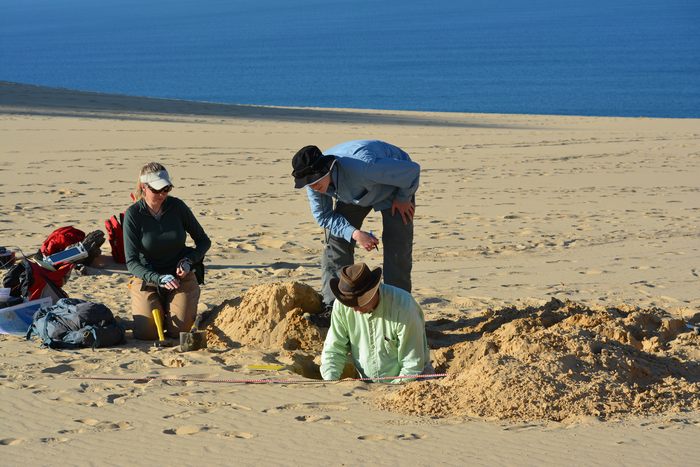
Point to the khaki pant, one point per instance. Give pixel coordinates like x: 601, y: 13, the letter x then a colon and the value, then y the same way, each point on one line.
x: 181, y: 305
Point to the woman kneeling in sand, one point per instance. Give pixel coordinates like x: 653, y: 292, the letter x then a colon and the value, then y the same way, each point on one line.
x: 155, y: 232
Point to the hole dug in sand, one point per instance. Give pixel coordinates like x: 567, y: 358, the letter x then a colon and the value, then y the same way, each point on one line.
x: 558, y: 362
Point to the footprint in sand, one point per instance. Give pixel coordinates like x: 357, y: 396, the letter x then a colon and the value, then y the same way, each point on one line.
x: 18, y: 441
x: 235, y: 434
x: 94, y: 387
x: 48, y: 391
x: 66, y: 192
x: 60, y: 369
x: 76, y: 431
x: 54, y: 440
x: 521, y: 427
x: 403, y: 437
x: 216, y: 391
x: 105, y: 426
x: 324, y: 419
x: 312, y: 406
x: 120, y: 398
x: 189, y: 413
x: 312, y: 418
x: 14, y: 441
x: 182, y: 402
x: 136, y: 367
x: 189, y: 430
x: 36, y: 386
x: 70, y: 400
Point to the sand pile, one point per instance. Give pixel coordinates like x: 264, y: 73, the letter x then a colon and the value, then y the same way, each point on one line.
x: 559, y: 362
x: 268, y: 316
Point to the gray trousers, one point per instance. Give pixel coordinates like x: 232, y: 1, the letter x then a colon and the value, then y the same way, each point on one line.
x: 396, y: 245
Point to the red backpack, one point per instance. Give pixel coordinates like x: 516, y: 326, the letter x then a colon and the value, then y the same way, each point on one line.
x: 115, y: 235
x: 60, y: 239
x: 28, y: 280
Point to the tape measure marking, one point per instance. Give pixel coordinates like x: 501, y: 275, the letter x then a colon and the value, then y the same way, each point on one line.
x: 268, y: 381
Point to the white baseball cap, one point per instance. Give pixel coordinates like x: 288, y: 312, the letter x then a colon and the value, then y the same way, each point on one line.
x: 157, y: 180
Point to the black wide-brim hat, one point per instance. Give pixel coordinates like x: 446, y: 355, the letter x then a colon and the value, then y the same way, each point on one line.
x: 357, y: 285
x: 309, y: 166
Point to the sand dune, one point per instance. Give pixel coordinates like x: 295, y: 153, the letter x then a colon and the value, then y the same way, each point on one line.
x: 513, y: 211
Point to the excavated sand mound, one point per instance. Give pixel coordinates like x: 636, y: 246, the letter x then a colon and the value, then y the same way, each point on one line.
x: 558, y: 362
x: 268, y: 316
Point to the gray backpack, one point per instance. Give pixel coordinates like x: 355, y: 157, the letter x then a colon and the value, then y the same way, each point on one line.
x: 73, y: 323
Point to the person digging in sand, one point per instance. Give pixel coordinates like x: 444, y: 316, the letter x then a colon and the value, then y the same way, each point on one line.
x: 382, y: 326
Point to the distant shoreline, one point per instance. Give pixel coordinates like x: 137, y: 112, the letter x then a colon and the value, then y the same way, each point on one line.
x: 11, y: 95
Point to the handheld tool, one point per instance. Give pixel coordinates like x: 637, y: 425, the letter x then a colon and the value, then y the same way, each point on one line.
x: 195, y: 339
x: 158, y: 318
x: 195, y: 326
x: 376, y: 246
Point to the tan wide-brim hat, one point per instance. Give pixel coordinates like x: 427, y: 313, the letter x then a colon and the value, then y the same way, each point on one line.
x: 357, y: 285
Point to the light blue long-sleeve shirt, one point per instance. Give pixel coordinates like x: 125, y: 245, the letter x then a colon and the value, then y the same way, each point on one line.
x: 366, y: 173
x: 390, y: 341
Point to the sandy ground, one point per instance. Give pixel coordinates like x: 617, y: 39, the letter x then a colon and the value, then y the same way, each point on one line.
x: 513, y: 211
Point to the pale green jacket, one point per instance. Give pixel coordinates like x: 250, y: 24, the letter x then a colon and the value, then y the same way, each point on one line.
x: 390, y: 341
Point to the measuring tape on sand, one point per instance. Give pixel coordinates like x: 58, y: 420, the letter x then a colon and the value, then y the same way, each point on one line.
x: 257, y: 381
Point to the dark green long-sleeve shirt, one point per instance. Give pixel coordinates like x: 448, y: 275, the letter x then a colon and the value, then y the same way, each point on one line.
x: 154, y: 247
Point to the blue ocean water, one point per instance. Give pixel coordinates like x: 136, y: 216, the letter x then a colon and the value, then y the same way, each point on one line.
x: 562, y: 57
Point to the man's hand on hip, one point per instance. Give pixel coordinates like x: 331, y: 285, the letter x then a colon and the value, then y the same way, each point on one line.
x: 407, y: 210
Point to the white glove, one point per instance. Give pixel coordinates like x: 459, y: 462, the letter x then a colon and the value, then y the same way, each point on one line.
x: 167, y: 278
x: 185, y: 265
